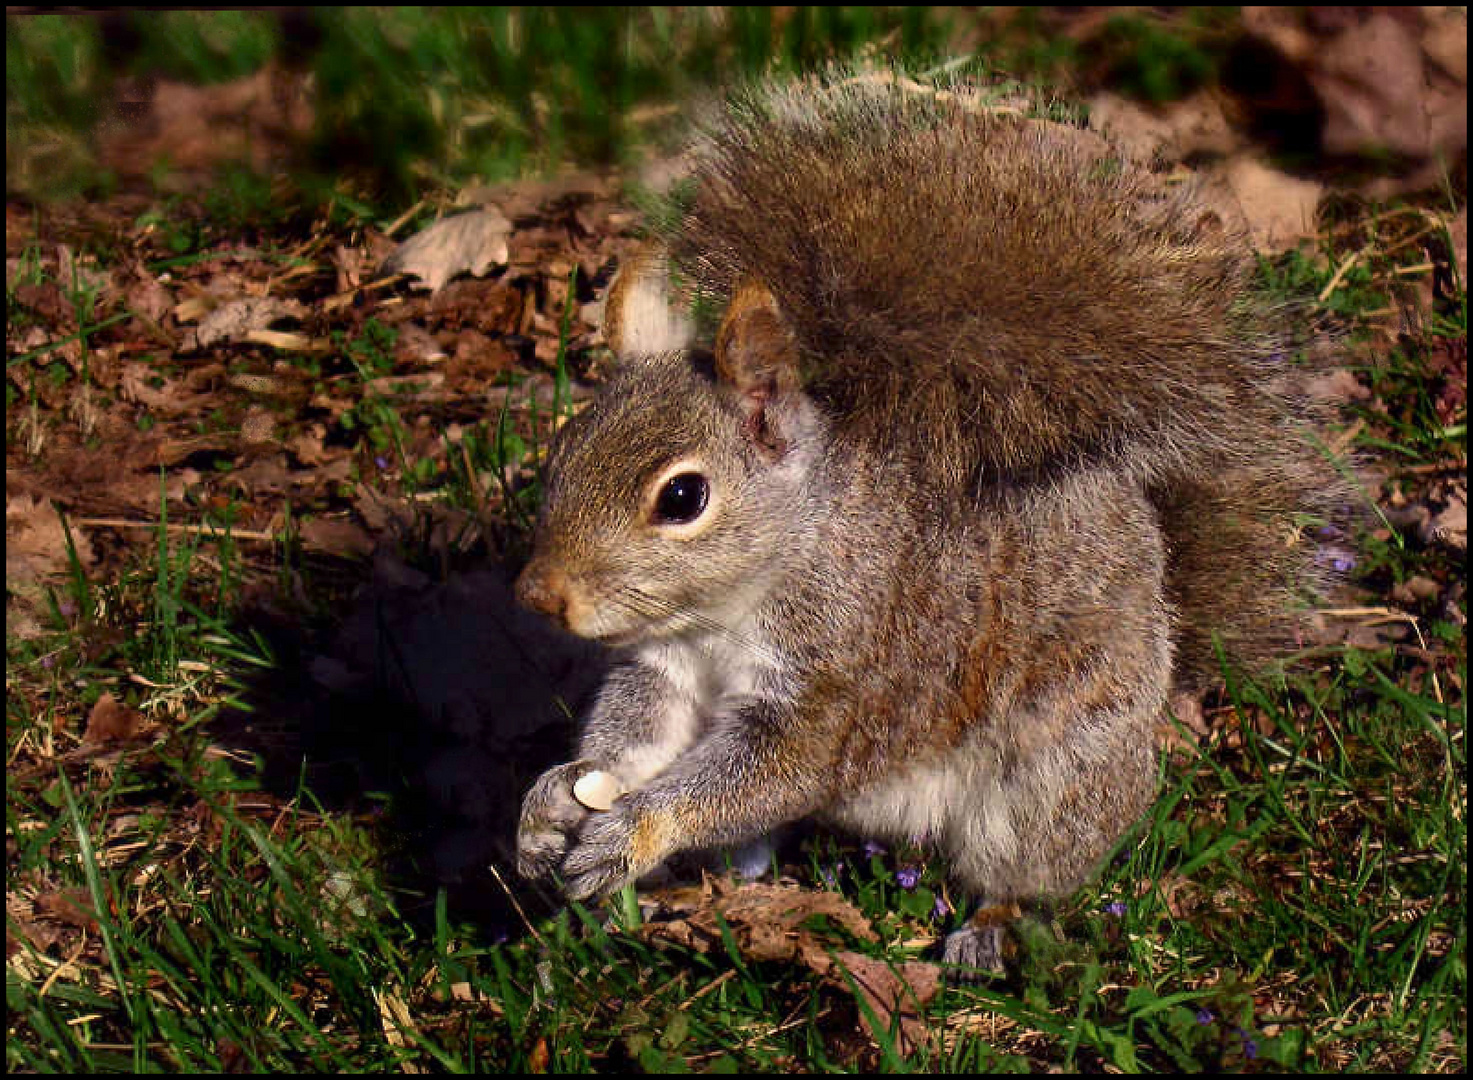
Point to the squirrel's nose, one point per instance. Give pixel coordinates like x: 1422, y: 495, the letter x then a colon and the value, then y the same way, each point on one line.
x: 544, y: 588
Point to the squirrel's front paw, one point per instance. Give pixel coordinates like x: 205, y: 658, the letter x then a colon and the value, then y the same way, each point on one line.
x: 550, y: 815
x: 613, y: 849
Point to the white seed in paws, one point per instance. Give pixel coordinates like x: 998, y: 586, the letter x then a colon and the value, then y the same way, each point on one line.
x: 597, y: 790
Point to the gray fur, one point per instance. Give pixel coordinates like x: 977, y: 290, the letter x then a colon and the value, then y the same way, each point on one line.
x: 1012, y: 451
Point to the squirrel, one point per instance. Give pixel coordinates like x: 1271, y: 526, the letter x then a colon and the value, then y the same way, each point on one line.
x: 991, y: 450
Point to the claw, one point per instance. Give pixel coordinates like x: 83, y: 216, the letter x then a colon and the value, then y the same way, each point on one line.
x: 550, y: 817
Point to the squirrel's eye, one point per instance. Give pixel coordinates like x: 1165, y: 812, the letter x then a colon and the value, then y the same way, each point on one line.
x: 682, y: 499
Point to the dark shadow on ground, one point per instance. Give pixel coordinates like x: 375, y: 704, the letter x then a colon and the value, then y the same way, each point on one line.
x: 434, y: 705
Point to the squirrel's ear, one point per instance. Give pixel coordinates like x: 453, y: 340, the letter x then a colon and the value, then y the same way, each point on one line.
x: 755, y: 350
x: 640, y: 314
x: 757, y: 354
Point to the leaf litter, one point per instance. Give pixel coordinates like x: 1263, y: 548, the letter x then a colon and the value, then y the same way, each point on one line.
x: 207, y: 380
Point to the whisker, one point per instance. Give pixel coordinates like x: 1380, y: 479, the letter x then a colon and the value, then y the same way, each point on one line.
x: 647, y: 605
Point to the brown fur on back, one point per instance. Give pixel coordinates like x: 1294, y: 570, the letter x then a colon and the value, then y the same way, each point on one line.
x: 1018, y: 302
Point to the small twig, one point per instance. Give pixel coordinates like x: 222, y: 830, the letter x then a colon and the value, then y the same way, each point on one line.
x: 1340, y: 273
x: 69, y: 962
x: 202, y: 530
x: 725, y: 976
x: 1342, y: 441
x: 517, y: 904
x: 398, y: 222
x: 1388, y: 614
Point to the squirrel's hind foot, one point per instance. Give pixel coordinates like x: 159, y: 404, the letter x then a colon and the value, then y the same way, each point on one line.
x: 975, y: 951
x: 984, y: 946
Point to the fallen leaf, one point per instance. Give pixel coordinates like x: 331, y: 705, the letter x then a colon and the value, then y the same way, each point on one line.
x: 336, y: 536
x: 1279, y: 208
x: 898, y: 992
x: 237, y: 319
x: 47, y: 301
x: 1450, y: 527
x: 110, y: 721
x: 35, y: 542
x: 145, y: 295
x: 70, y: 907
x: 416, y: 345
x: 468, y: 243
x: 1195, y: 126
x: 307, y: 446
x: 774, y: 922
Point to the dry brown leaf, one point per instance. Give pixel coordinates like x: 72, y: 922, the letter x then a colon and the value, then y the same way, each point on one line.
x: 146, y: 295
x: 336, y: 536
x: 1450, y: 527
x: 307, y: 446
x: 35, y: 542
x: 1196, y: 125
x: 1279, y: 208
x: 416, y: 345
x: 1384, y: 79
x: 136, y: 382
x: 468, y: 243
x: 236, y: 319
x: 173, y: 451
x: 764, y: 919
x: 259, y: 119
x: 893, y: 993
x: 767, y: 923
x: 538, y: 1059
x: 1371, y: 80
x: 110, y: 721
x: 70, y: 907
x: 42, y: 935
x: 48, y: 302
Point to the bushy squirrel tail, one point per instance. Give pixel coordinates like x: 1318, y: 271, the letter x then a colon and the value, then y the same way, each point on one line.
x: 1246, y: 558
x: 1019, y: 302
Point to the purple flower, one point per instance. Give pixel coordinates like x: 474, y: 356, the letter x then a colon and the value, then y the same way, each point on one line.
x: 48, y: 661
x: 1204, y: 1016
x: 1329, y: 532
x: 1250, y: 1047
x: 1116, y: 908
x: 830, y: 874
x: 67, y: 607
x: 940, y: 909
x: 1343, y: 564
x: 908, y: 876
x: 871, y: 849
x: 381, y: 461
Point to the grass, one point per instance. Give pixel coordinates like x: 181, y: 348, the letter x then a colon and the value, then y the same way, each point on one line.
x: 1295, y: 901
x: 487, y: 93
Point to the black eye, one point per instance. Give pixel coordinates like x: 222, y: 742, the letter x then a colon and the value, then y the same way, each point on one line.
x: 682, y: 499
